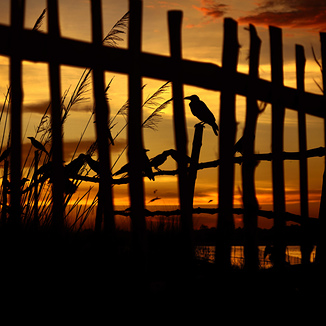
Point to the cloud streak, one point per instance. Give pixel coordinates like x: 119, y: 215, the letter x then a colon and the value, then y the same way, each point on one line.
x: 307, y: 14
x: 212, y: 9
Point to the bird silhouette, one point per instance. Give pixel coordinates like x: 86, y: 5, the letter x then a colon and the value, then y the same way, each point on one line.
x: 177, y: 156
x: 124, y: 169
x: 38, y: 145
x: 75, y: 165
x: 146, y: 167
x: 246, y: 137
x: 159, y: 160
x: 94, y: 165
x: 47, y: 172
x: 200, y: 110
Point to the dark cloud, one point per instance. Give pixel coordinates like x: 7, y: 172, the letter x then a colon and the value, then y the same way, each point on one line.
x: 212, y: 8
x: 307, y: 14
x: 70, y: 146
x: 39, y: 107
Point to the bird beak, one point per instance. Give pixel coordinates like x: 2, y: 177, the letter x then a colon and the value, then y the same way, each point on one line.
x: 187, y: 98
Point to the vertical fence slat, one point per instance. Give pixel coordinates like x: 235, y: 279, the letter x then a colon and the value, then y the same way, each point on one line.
x: 105, y: 203
x: 135, y: 139
x: 180, y: 132
x: 225, y: 224
x: 56, y: 117
x: 196, y: 146
x: 17, y: 23
x: 278, y: 113
x: 300, y: 71
x: 321, y: 247
x: 249, y: 164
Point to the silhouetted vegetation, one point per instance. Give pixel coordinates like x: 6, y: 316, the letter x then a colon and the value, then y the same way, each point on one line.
x: 41, y: 240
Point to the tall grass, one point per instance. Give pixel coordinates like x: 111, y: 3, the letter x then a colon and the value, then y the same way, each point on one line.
x: 79, y: 206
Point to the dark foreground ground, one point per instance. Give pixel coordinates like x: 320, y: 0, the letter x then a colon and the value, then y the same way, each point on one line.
x: 49, y: 274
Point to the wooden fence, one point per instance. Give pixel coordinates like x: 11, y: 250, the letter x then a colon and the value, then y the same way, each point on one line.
x: 21, y: 44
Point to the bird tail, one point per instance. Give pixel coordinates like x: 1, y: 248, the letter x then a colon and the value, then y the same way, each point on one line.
x: 215, y: 129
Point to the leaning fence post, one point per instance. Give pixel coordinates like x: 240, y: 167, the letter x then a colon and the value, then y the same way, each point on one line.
x: 192, y: 175
x: 180, y: 133
x: 56, y: 116
x: 17, y: 23
x: 278, y: 113
x: 225, y: 223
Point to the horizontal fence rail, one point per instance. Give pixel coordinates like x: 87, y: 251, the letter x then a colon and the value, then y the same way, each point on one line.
x: 35, y: 47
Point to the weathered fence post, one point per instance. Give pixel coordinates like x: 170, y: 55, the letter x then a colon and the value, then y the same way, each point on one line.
x: 105, y: 202
x: 180, y: 133
x: 278, y: 113
x: 135, y: 139
x: 305, y: 234
x: 321, y: 245
x: 249, y: 163
x: 56, y: 116
x: 17, y: 24
x: 225, y: 223
x: 192, y: 175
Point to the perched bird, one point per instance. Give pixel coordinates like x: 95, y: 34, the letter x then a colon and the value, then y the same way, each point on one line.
x: 75, y: 165
x: 159, y: 160
x: 177, y: 156
x: 246, y: 137
x: 94, y: 165
x: 38, y: 145
x: 146, y: 167
x: 47, y: 172
x: 124, y: 169
x: 200, y: 110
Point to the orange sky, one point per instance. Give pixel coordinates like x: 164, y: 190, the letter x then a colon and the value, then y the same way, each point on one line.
x: 202, y: 35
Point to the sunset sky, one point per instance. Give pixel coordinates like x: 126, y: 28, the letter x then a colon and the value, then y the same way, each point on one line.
x: 202, y: 38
